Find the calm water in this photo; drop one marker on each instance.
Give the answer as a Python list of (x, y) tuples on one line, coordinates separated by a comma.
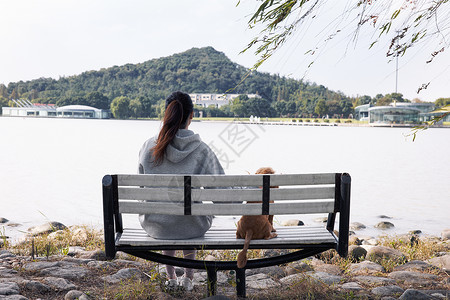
[(51, 169)]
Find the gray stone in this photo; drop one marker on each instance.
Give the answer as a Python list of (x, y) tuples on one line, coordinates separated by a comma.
[(7, 273), (442, 262), (325, 277), (409, 277), (374, 280), (415, 232), (354, 240), (96, 254), (3, 220), (384, 225), (67, 272), (202, 278), (292, 222), (75, 250), (372, 242), (126, 262), (260, 281), (379, 253), (366, 268), (124, 274), (36, 286), (46, 228), (357, 226), (351, 286), (415, 265), (389, 290), (59, 283), (384, 217), (274, 271), (445, 234), (75, 295), (297, 267), (217, 297), (357, 253), (328, 268), (78, 261), (412, 294), (9, 288), (294, 278), (13, 297), (6, 254), (105, 265)]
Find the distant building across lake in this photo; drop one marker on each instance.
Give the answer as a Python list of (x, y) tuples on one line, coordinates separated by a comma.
[(398, 113), (218, 100), (25, 108)]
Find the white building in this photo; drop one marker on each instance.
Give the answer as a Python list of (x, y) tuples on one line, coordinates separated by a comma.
[(218, 100)]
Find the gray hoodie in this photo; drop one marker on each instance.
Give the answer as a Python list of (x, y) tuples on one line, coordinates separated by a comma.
[(186, 154)]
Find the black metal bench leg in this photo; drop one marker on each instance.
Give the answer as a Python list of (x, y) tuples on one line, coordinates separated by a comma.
[(240, 283), (212, 281)]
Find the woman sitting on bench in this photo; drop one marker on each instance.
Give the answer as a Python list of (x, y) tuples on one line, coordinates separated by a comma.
[(177, 150)]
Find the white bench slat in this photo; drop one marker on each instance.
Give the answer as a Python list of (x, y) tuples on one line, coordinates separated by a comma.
[(225, 195), (201, 209), (153, 180), (290, 235)]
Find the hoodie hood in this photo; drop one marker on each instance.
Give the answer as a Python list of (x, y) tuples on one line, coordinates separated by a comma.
[(184, 143)]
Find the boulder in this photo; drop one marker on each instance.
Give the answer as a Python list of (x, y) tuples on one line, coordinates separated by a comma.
[(389, 290), (357, 253), (384, 225), (36, 286), (415, 265), (442, 262), (60, 284), (379, 253), (415, 232), (412, 294), (124, 274), (328, 268), (9, 288), (76, 295), (3, 220), (354, 240), (351, 286), (260, 281), (410, 277), (366, 268), (445, 234), (297, 267), (46, 228), (374, 280), (325, 277), (357, 226), (384, 217), (273, 271)]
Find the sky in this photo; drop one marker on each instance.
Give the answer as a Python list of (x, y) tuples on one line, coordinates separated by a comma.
[(55, 38)]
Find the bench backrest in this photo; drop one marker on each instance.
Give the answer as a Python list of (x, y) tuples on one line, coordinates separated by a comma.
[(194, 194)]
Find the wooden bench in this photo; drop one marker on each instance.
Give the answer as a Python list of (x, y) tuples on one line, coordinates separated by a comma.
[(193, 195)]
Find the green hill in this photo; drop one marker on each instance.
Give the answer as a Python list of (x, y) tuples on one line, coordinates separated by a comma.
[(198, 70)]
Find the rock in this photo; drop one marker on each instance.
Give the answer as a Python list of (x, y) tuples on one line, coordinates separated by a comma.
[(445, 234), (328, 268), (297, 267), (273, 271), (379, 253), (372, 242), (366, 267), (292, 222), (384, 217), (321, 220), (46, 228), (325, 277), (293, 279), (201, 278), (9, 288), (75, 295), (357, 253), (36, 286), (374, 280), (57, 235), (210, 258), (351, 286), (7, 273), (260, 281), (79, 235), (75, 250), (412, 294), (104, 265), (357, 226), (442, 262), (414, 232), (124, 274), (95, 254), (60, 284), (409, 277), (389, 290), (354, 240), (415, 265), (3, 220), (384, 225)]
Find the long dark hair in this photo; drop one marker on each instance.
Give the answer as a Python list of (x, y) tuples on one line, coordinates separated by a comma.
[(178, 109)]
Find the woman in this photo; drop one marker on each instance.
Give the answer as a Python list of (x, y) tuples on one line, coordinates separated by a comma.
[(177, 150)]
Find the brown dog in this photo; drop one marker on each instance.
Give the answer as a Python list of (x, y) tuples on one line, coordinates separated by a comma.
[(254, 227)]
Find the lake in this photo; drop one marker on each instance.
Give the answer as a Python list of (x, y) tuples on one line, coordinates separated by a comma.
[(51, 169)]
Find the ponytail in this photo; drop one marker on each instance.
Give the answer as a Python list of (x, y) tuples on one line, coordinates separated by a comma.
[(178, 109)]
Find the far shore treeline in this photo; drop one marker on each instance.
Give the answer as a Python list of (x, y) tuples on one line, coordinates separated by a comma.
[(139, 90)]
